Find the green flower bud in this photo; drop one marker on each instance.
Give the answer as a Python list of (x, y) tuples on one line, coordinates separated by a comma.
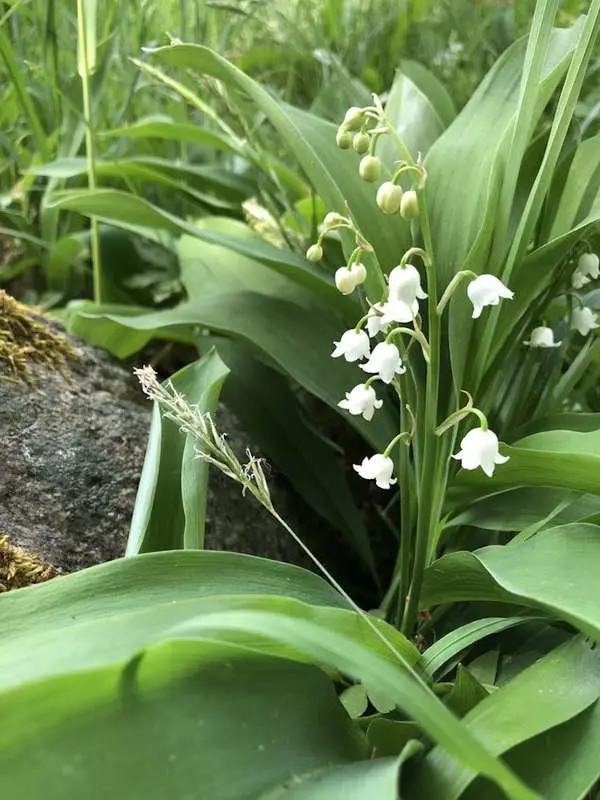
[(360, 143), (389, 197), (409, 205), (343, 138), (333, 218), (353, 119), (369, 168), (314, 253)]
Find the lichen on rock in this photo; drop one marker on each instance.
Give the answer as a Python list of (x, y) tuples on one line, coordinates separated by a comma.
[(25, 340)]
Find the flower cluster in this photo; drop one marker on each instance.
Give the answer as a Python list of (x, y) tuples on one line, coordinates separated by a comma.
[(583, 319)]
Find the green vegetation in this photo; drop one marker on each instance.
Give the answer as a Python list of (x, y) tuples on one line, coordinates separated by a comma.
[(212, 191)]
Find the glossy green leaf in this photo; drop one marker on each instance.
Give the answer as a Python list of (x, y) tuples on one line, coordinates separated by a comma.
[(562, 459), (171, 500), (362, 781), (466, 692), (163, 723), (100, 615), (555, 571), (121, 208), (297, 336), (561, 764), (555, 689), (168, 129), (445, 650), (581, 188), (333, 172)]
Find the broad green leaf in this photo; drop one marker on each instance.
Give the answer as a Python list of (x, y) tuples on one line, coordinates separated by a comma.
[(445, 650), (388, 737), (129, 603), (414, 118), (333, 172), (121, 208), (364, 780), (171, 499), (563, 459), (516, 509), (466, 693), (554, 690), (163, 723), (561, 764), (159, 127), (294, 625), (297, 337), (554, 571), (581, 188), (432, 88)]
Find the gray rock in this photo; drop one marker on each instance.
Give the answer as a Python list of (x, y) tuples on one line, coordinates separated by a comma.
[(71, 461)]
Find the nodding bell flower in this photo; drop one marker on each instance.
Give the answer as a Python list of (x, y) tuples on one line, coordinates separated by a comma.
[(369, 168), (584, 320), (589, 265), (542, 337), (479, 448), (333, 218), (579, 279), (409, 205), (384, 361), (487, 290), (361, 400), (378, 468), (353, 345), (375, 323), (389, 196), (403, 295)]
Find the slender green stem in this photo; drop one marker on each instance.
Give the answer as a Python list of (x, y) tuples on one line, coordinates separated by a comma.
[(428, 513), (90, 146)]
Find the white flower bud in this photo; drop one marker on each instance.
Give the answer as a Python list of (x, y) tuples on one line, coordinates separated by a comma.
[(359, 273), (409, 205), (343, 138), (353, 119), (369, 169), (345, 281), (360, 143), (389, 197), (314, 253)]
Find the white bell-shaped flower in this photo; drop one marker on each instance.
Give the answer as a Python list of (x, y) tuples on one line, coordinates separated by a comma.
[(361, 400), (359, 273), (345, 281), (353, 345), (542, 337), (375, 323), (589, 264), (487, 290), (404, 294), (378, 468), (579, 279), (479, 448), (384, 361), (584, 320)]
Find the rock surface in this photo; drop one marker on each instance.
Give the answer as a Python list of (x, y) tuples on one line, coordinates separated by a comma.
[(71, 460)]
